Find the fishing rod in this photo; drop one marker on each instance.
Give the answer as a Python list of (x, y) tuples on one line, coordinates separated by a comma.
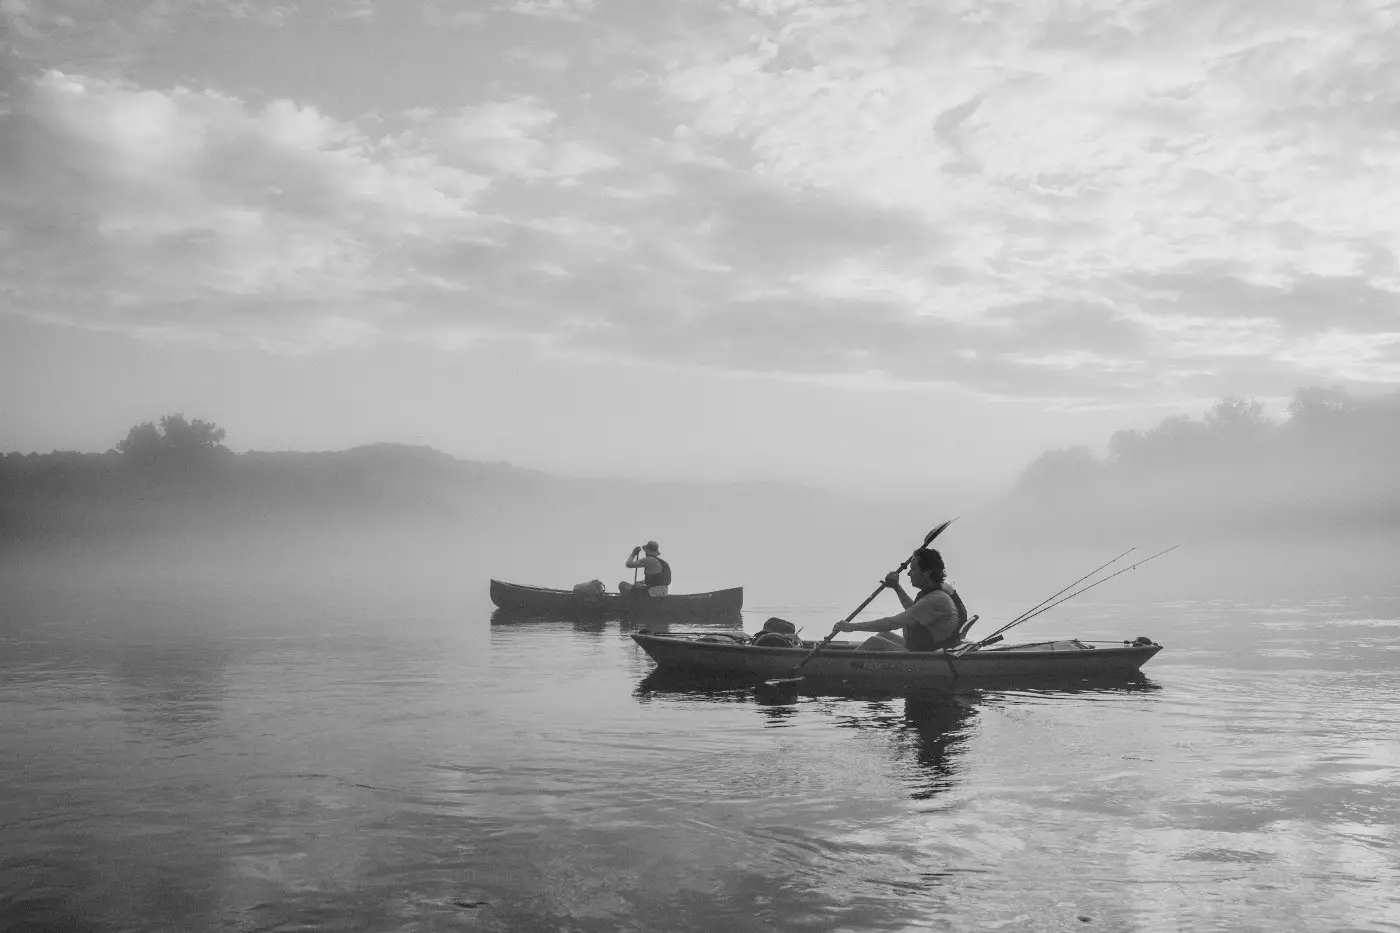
[(997, 634), (1086, 576)]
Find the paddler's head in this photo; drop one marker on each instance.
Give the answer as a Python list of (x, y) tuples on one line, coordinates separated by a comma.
[(926, 568)]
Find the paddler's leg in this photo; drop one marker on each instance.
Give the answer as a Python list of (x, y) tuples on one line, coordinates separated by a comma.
[(883, 641)]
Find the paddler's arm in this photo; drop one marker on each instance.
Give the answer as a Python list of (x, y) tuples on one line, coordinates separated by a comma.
[(887, 624), (634, 560), (892, 581)]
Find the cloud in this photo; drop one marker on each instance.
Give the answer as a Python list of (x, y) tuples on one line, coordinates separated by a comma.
[(565, 10), (1095, 203), (544, 60), (352, 11), (1298, 305), (509, 138), (264, 14), (452, 14), (1080, 155), (136, 205)]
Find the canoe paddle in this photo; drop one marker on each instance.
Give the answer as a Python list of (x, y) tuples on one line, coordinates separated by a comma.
[(791, 676)]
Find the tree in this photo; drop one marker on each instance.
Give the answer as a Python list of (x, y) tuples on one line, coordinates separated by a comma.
[(175, 440), (1060, 470), (1236, 419), (193, 435), (1315, 407), (141, 443)]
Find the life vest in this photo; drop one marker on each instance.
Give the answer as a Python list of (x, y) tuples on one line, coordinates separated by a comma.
[(659, 579), (919, 638), (957, 601)]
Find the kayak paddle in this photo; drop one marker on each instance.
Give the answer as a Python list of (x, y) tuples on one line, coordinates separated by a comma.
[(791, 676)]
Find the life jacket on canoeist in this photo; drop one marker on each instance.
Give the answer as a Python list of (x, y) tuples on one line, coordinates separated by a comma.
[(919, 638), (661, 577)]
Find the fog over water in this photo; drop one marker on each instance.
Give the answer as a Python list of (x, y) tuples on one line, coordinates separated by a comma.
[(1304, 505), (267, 691)]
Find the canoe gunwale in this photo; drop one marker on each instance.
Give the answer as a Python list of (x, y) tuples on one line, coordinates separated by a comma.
[(527, 598), (697, 653)]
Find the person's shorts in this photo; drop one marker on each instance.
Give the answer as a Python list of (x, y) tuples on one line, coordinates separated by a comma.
[(628, 589)]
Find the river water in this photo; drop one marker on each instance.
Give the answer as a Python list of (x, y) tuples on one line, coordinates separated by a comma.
[(194, 760)]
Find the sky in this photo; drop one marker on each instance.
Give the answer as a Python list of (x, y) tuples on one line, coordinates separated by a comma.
[(864, 243)]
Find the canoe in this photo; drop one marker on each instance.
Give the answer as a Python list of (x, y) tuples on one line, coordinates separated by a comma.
[(1058, 661), (540, 599)]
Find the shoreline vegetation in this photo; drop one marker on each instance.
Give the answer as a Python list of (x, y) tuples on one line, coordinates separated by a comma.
[(1230, 478), (1328, 467)]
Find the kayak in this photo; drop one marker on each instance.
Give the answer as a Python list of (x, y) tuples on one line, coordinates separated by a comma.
[(1066, 660), (521, 598)]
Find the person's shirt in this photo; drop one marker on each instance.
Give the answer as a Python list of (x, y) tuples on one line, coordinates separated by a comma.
[(650, 564), (930, 622)]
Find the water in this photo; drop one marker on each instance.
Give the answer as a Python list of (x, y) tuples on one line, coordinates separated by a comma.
[(176, 759)]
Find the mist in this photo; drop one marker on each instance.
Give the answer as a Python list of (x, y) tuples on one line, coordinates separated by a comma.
[(171, 507), (1303, 505)]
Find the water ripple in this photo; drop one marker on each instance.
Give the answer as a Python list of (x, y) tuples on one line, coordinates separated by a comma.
[(366, 771)]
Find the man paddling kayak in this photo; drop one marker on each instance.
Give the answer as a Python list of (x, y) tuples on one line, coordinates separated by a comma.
[(930, 621), (657, 572)]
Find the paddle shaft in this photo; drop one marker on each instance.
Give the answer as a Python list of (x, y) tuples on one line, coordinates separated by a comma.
[(836, 629), (627, 604), (868, 600)]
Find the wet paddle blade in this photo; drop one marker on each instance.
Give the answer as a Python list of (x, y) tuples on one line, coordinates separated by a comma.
[(937, 531)]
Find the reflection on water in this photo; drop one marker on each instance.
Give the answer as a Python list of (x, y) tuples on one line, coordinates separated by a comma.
[(925, 728), (603, 622), (936, 731), (384, 767)]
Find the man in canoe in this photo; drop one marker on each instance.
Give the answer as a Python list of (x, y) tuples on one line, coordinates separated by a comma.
[(656, 580), (930, 621)]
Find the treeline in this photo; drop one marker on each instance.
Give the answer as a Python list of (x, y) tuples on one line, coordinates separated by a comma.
[(171, 500), (1329, 465), (176, 473)]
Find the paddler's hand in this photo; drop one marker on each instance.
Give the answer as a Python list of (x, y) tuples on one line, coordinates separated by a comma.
[(635, 552), (892, 579), (846, 627)]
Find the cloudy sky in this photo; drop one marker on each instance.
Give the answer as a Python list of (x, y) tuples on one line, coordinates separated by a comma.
[(864, 241)]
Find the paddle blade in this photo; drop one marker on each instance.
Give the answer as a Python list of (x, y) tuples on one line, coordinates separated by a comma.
[(937, 531)]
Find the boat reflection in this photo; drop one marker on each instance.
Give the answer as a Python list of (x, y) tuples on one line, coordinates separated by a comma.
[(927, 729), (927, 737), (744, 688), (596, 622)]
